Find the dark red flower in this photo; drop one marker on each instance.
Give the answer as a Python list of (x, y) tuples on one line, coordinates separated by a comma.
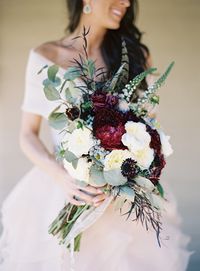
[(73, 113), (108, 126), (129, 168), (102, 99), (155, 139), (110, 136), (156, 168)]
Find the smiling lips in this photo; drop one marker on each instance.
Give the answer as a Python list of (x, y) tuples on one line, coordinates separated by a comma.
[(117, 12)]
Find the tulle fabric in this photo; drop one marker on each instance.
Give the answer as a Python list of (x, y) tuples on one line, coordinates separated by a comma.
[(111, 244)]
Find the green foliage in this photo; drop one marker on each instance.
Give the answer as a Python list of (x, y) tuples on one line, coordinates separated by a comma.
[(51, 93), (72, 93), (114, 177), (89, 68), (127, 192), (57, 120), (160, 189), (96, 176), (51, 72), (71, 74), (79, 125)]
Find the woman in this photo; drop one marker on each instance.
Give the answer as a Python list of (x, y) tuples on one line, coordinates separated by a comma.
[(111, 244)]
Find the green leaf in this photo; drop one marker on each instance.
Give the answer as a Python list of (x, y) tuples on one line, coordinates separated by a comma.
[(71, 74), (144, 182), (79, 125), (160, 189), (86, 105), (41, 70), (89, 68), (55, 83), (57, 120), (51, 93), (51, 72), (75, 163), (96, 176), (114, 177), (72, 93), (70, 156), (127, 192)]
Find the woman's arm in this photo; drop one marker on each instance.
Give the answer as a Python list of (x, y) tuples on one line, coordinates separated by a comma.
[(35, 150)]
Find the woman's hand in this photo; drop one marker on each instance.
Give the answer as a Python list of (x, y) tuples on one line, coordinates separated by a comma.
[(80, 195)]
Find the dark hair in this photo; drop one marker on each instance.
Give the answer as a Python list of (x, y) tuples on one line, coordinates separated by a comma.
[(111, 45)]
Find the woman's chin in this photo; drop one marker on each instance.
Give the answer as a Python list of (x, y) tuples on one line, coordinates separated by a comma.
[(113, 25)]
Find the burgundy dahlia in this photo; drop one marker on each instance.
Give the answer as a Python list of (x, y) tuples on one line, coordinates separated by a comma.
[(156, 168), (102, 99), (155, 139), (108, 126)]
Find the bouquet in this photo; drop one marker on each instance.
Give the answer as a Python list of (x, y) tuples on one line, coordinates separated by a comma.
[(108, 141)]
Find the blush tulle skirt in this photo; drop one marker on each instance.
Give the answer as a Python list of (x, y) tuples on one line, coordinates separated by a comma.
[(111, 244)]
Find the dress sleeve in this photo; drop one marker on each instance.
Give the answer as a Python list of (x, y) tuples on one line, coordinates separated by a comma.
[(34, 100)]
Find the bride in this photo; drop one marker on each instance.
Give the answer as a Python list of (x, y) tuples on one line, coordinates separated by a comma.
[(111, 244)]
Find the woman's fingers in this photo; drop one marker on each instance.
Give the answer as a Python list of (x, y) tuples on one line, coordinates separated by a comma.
[(83, 196), (76, 202), (91, 189), (99, 199)]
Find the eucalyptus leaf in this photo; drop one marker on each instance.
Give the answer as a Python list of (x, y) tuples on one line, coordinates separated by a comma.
[(54, 83), (51, 72), (127, 192), (72, 93), (75, 163), (70, 156), (57, 120), (144, 182), (96, 176), (72, 73), (51, 93), (114, 177)]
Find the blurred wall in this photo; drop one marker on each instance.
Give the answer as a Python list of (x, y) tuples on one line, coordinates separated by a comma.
[(172, 33)]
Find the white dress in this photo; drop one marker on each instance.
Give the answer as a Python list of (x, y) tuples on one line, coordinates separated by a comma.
[(111, 244)]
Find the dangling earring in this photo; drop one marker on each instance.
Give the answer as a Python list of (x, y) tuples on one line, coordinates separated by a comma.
[(87, 9)]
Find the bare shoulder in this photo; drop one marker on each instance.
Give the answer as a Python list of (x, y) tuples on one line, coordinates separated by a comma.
[(56, 52)]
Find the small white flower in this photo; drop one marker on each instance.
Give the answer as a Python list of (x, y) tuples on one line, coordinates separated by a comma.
[(166, 146), (144, 157), (82, 171), (115, 159), (136, 136), (123, 106), (80, 141)]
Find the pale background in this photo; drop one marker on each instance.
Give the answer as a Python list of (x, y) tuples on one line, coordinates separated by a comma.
[(172, 30)]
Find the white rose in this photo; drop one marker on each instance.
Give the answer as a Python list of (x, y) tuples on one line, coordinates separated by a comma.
[(144, 157), (115, 159), (82, 171), (80, 141), (166, 146), (136, 136)]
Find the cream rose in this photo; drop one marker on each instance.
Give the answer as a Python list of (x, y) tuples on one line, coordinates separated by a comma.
[(82, 171), (136, 137), (166, 146), (144, 157), (80, 141), (115, 159)]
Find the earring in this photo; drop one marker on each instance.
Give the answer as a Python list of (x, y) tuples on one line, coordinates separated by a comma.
[(87, 9)]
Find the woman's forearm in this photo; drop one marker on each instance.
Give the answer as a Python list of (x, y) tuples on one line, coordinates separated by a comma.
[(37, 153)]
